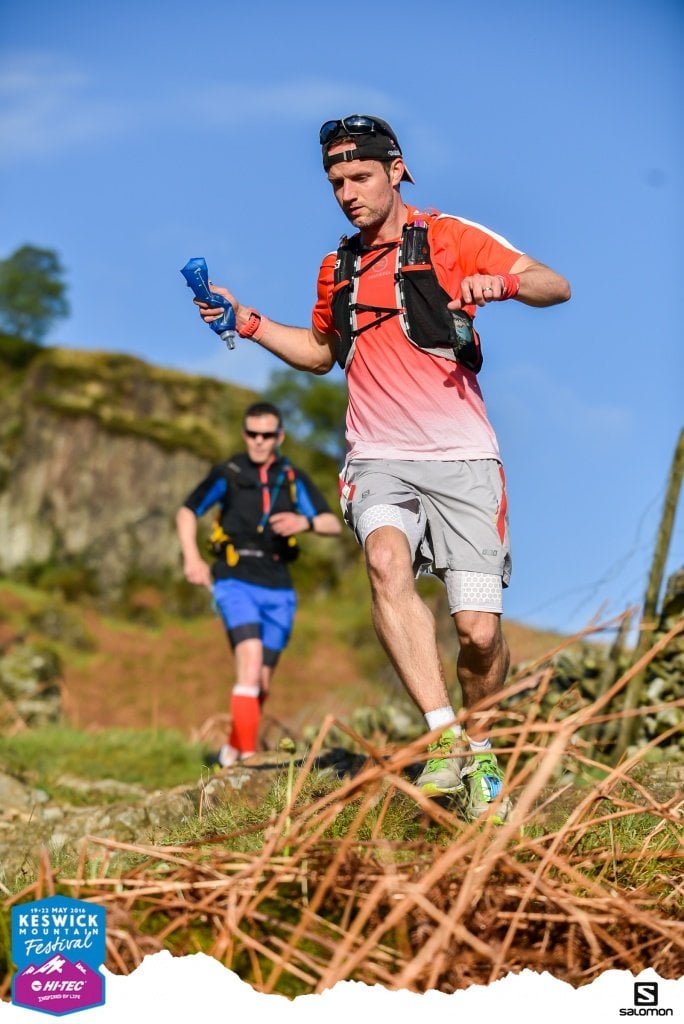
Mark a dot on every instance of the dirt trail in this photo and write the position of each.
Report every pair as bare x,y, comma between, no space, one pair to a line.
180,677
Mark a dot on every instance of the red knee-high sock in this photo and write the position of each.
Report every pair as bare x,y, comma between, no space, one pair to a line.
246,712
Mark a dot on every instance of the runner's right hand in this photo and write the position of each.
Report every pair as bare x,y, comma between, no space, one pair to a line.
197,571
210,313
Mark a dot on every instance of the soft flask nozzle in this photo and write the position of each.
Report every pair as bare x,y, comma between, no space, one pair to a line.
197,277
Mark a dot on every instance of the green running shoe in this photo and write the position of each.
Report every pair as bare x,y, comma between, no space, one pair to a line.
484,779
441,775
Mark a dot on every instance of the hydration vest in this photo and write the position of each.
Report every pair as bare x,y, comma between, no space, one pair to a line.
421,301
222,546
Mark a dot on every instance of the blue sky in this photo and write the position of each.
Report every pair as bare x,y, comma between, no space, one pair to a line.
136,135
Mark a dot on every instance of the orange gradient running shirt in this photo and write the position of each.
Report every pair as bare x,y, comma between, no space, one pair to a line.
405,403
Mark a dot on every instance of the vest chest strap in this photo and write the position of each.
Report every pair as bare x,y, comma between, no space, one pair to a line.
426,322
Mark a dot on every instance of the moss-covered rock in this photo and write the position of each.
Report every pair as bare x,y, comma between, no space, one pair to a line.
29,683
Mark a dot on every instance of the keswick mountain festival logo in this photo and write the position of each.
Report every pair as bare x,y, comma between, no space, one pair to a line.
58,946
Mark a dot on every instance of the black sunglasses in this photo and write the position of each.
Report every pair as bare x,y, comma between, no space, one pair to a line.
356,124
267,435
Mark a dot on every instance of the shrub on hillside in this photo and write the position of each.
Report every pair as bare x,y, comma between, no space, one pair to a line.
16,352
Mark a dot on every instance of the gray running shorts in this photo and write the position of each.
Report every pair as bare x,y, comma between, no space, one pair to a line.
454,515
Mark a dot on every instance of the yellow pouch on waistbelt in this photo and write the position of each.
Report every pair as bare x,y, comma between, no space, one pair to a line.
221,546
232,557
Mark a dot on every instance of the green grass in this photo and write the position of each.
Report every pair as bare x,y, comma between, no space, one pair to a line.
243,828
154,759
629,848
27,597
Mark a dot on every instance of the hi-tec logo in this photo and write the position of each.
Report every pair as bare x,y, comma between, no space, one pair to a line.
646,1002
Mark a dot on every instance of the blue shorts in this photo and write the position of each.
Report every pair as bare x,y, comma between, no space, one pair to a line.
251,612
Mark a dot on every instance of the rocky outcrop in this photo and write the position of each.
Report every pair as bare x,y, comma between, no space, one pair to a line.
30,694
96,453
30,819
80,493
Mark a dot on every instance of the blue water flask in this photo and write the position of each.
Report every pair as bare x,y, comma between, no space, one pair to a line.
197,276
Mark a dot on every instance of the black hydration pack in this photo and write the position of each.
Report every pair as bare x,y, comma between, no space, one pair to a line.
278,549
421,301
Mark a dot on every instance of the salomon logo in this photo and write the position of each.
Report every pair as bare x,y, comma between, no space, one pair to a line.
646,1002
645,993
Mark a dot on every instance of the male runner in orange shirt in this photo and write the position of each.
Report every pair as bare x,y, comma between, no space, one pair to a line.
422,485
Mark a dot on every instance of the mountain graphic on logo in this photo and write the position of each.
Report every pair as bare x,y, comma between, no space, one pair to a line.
53,966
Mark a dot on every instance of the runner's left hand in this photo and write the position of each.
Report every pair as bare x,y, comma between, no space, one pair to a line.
478,290
286,524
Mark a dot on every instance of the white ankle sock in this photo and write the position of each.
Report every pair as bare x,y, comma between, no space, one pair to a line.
441,716
227,755
480,746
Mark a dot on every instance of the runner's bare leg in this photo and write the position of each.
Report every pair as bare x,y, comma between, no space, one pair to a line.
482,663
404,624
249,656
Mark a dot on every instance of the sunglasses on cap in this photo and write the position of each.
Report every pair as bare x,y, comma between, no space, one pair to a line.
267,435
355,124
